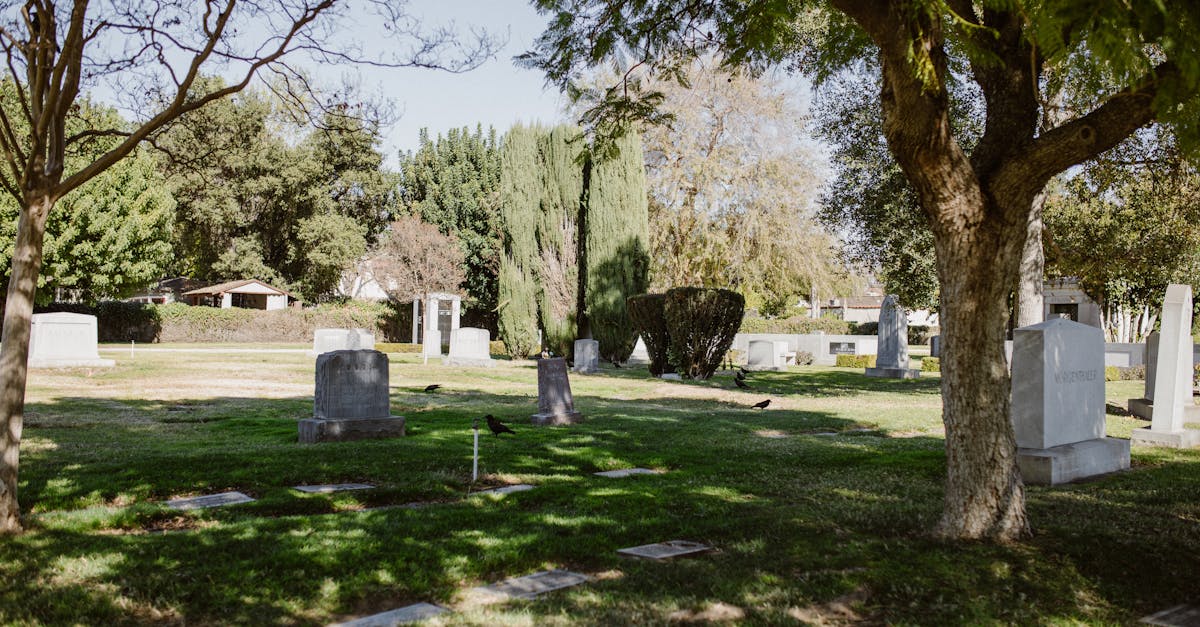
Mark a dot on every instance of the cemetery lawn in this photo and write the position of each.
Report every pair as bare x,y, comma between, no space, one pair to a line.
818,508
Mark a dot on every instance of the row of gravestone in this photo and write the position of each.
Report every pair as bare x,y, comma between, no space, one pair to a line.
351,398
469,346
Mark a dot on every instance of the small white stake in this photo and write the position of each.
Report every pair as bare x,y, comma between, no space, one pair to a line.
475,461
131,348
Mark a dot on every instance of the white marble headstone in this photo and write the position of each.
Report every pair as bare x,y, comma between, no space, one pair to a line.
1057,383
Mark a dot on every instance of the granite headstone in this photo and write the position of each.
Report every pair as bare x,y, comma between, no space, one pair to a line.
587,356
470,346
892,359
556,406
64,340
350,401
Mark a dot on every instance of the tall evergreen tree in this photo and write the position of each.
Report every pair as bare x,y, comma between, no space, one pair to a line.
616,244
520,191
562,153
453,182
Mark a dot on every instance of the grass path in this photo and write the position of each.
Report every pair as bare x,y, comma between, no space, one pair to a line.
807,527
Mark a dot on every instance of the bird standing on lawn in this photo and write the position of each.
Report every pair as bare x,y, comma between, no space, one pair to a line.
762,404
496,426
741,384
739,376
743,371
430,388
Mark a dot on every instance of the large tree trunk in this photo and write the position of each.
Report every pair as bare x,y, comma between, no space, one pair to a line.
14,351
984,494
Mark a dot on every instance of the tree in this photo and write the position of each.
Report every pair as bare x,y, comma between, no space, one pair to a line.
563,160
1126,227
732,182
616,254
454,182
152,54
1126,65
415,259
520,194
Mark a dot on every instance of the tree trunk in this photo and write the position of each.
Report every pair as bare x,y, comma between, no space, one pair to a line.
984,498
14,351
1030,307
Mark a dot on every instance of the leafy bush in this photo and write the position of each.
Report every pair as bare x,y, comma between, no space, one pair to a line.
496,347
804,358
1133,373
1112,373
649,318
865,328
701,323
931,364
855,361
795,325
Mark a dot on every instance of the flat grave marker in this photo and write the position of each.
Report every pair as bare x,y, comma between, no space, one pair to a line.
520,487
626,472
407,614
209,500
665,550
530,586
332,487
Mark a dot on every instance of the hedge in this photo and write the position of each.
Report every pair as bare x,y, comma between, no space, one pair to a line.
855,361
177,322
917,333
931,364
702,323
649,317
798,325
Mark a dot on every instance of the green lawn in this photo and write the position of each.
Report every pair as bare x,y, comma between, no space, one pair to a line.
808,527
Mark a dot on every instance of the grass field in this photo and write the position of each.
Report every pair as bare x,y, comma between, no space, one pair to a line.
808,527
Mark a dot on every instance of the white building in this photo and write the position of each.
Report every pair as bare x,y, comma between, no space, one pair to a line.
247,293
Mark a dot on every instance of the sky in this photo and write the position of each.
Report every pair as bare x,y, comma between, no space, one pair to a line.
497,93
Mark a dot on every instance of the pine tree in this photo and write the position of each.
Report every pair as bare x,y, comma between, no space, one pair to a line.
519,209
562,155
617,253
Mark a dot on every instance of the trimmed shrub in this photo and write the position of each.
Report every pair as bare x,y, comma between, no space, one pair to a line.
931,364
496,347
649,318
865,328
795,325
804,358
855,361
1112,373
701,323
1133,373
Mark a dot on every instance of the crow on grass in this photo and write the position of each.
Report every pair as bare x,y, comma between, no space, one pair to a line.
496,426
743,371
762,404
741,384
739,376
430,388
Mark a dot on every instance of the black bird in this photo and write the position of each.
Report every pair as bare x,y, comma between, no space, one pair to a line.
763,404
743,371
739,376
741,384
615,363
496,426
430,388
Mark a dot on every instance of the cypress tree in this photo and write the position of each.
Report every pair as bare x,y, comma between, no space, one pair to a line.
616,245
562,152
520,191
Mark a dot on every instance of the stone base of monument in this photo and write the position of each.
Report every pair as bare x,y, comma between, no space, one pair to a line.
1187,438
543,420
313,430
1144,408
1070,462
71,363
470,362
894,373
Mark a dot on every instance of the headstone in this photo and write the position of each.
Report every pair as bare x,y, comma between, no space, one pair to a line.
640,355
530,586
556,406
935,346
64,340
209,500
350,401
332,487
892,360
587,356
407,614
329,340
625,472
665,550
1144,407
1058,404
470,346
764,355
1173,375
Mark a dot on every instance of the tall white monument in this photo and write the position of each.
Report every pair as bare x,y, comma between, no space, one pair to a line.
1173,375
892,362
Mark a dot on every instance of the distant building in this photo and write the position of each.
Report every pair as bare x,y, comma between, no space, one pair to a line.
247,293
1062,298
166,291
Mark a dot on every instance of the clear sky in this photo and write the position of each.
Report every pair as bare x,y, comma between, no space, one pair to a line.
497,94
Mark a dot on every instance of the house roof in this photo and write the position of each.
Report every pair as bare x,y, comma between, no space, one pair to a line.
231,286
